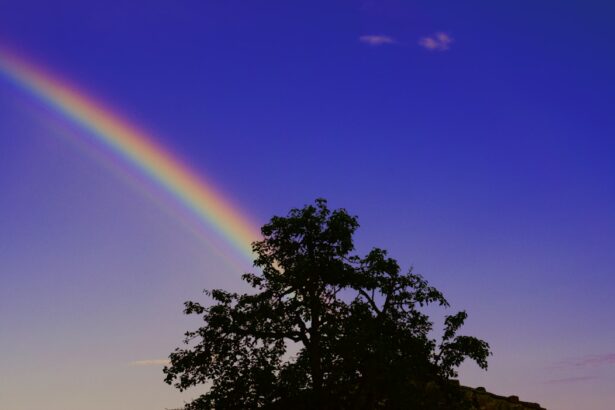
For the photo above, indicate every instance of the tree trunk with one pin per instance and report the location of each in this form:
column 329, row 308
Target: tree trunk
column 316, row 354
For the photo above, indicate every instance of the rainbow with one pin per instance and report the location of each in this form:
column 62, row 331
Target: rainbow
column 136, row 148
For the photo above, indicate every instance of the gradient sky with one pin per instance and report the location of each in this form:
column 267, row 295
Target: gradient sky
column 483, row 156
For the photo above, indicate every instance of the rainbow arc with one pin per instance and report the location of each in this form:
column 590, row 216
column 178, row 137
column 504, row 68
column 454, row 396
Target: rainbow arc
column 136, row 148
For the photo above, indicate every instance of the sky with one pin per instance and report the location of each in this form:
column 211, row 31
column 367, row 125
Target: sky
column 474, row 140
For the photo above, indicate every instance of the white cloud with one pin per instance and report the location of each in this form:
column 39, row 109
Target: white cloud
column 377, row 39
column 151, row 362
column 437, row 42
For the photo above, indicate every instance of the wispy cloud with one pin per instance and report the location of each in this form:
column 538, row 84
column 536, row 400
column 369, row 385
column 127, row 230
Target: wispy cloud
column 570, row 379
column 437, row 42
column 377, row 39
column 593, row 360
column 150, row 362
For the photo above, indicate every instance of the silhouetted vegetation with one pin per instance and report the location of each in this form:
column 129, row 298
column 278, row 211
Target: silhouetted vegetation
column 324, row 329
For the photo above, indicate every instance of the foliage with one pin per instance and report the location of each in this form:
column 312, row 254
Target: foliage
column 323, row 329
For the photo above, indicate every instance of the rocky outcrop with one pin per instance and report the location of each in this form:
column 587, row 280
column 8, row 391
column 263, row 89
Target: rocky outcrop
column 483, row 400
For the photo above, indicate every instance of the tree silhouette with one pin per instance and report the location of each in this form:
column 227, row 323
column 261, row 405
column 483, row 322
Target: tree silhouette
column 323, row 329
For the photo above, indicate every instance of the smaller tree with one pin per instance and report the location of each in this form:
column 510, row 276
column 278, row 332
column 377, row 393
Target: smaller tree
column 323, row 329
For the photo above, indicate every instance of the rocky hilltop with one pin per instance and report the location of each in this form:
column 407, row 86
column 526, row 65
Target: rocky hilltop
column 483, row 400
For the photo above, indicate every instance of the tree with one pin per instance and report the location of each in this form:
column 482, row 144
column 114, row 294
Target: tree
column 324, row 328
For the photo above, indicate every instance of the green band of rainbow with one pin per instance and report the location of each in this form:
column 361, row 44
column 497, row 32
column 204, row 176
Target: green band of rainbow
column 136, row 148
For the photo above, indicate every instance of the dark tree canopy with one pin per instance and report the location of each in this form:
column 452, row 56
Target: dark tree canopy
column 323, row 329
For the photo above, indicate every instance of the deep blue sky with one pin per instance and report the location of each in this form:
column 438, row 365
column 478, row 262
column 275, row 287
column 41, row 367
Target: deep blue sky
column 489, row 166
